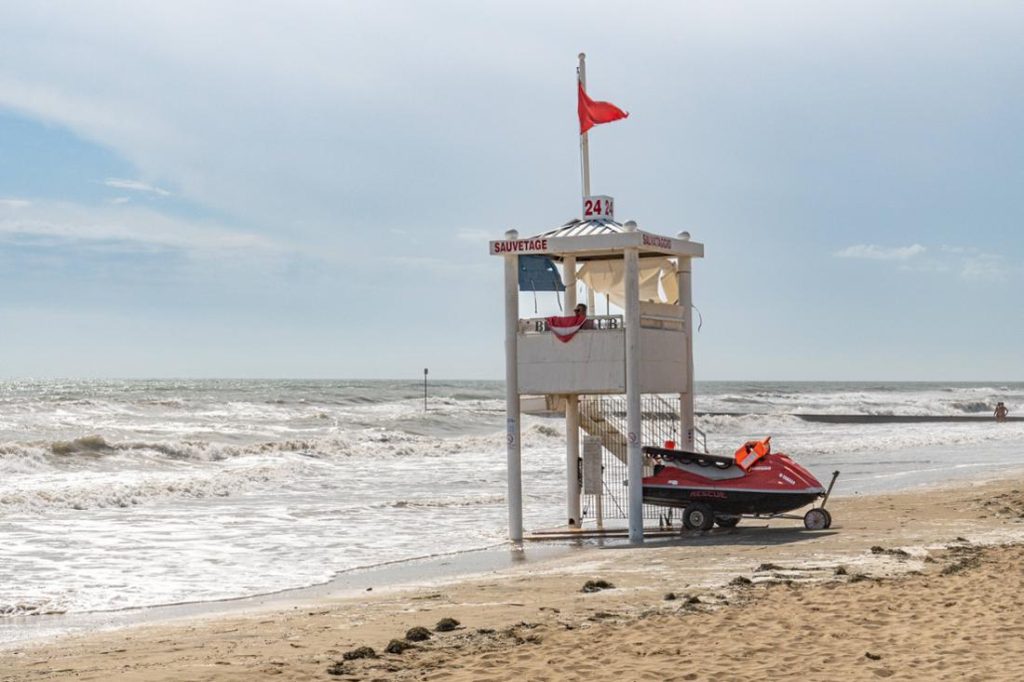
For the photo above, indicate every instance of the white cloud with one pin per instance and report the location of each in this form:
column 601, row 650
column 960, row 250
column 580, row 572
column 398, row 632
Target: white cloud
column 136, row 186
column 125, row 227
column 984, row 267
column 439, row 266
column 874, row 252
column 476, row 236
column 473, row 94
column 14, row 203
column 326, row 135
column 932, row 265
column 971, row 263
column 454, row 105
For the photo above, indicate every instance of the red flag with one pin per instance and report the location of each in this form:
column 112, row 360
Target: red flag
column 594, row 113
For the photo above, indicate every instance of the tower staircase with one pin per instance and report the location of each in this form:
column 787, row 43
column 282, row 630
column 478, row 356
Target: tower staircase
column 604, row 417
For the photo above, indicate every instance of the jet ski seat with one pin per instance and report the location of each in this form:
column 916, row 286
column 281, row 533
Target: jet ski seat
column 700, row 463
column 712, row 473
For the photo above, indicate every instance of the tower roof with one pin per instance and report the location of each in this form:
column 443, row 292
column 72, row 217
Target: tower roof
column 585, row 228
column 597, row 239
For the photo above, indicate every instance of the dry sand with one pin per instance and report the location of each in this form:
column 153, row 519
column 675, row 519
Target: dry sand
column 939, row 597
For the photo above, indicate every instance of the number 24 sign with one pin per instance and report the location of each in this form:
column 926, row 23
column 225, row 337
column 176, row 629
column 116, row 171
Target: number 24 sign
column 599, row 206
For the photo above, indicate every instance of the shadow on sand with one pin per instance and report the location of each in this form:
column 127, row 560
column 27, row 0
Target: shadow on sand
column 751, row 536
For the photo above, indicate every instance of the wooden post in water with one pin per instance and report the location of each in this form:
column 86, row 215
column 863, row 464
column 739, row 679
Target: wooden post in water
column 425, row 370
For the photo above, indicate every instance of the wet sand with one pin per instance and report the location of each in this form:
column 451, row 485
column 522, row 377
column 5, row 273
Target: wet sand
column 21, row 630
column 920, row 585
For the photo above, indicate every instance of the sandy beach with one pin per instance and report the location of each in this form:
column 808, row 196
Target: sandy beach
column 917, row 585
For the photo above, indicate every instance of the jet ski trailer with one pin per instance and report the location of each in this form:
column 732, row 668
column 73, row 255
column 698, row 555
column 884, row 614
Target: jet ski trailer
column 756, row 483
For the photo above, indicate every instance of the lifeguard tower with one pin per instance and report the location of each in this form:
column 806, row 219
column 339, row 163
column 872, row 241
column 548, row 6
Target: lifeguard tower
column 645, row 351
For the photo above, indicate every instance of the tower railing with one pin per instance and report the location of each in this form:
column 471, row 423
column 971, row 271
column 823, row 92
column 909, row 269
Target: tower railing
column 539, row 325
column 700, row 438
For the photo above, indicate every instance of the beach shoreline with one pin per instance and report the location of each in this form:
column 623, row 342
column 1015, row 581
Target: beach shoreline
column 398, row 575
column 406, row 574
column 910, row 532
column 119, row 497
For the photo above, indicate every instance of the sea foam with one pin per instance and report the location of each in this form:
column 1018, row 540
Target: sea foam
column 132, row 493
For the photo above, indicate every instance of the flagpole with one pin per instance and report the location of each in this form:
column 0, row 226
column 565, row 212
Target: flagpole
column 581, row 72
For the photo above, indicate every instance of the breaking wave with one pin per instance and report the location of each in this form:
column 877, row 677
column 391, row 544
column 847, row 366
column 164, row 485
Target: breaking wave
column 28, row 607
column 368, row 442
column 133, row 488
column 861, row 399
column 86, row 445
column 123, row 491
column 973, row 406
column 795, row 436
column 93, row 472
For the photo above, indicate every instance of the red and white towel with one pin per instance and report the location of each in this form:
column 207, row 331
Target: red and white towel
column 566, row 327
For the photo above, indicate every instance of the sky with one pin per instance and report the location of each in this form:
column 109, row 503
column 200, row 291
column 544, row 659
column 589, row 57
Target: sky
column 307, row 189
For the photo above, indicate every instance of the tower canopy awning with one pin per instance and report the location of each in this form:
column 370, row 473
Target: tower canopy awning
column 539, row 273
column 608, row 277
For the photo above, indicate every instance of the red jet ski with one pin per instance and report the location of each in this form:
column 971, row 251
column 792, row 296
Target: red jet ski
column 754, row 483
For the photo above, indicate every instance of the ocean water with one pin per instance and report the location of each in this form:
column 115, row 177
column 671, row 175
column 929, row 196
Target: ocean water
column 124, row 494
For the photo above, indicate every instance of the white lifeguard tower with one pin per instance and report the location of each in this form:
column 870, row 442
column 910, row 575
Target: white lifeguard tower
column 646, row 350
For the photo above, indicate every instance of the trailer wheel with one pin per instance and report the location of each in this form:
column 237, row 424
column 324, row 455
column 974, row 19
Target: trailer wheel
column 817, row 519
column 828, row 517
column 698, row 517
column 727, row 521
column 686, row 520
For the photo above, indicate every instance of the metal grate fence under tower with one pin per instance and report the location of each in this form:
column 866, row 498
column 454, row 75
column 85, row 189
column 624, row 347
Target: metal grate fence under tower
column 603, row 419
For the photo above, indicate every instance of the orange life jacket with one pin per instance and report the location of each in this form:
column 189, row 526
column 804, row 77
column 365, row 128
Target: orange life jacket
column 751, row 451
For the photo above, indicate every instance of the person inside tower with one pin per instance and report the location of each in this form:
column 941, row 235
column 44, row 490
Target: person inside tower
column 581, row 311
column 565, row 328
